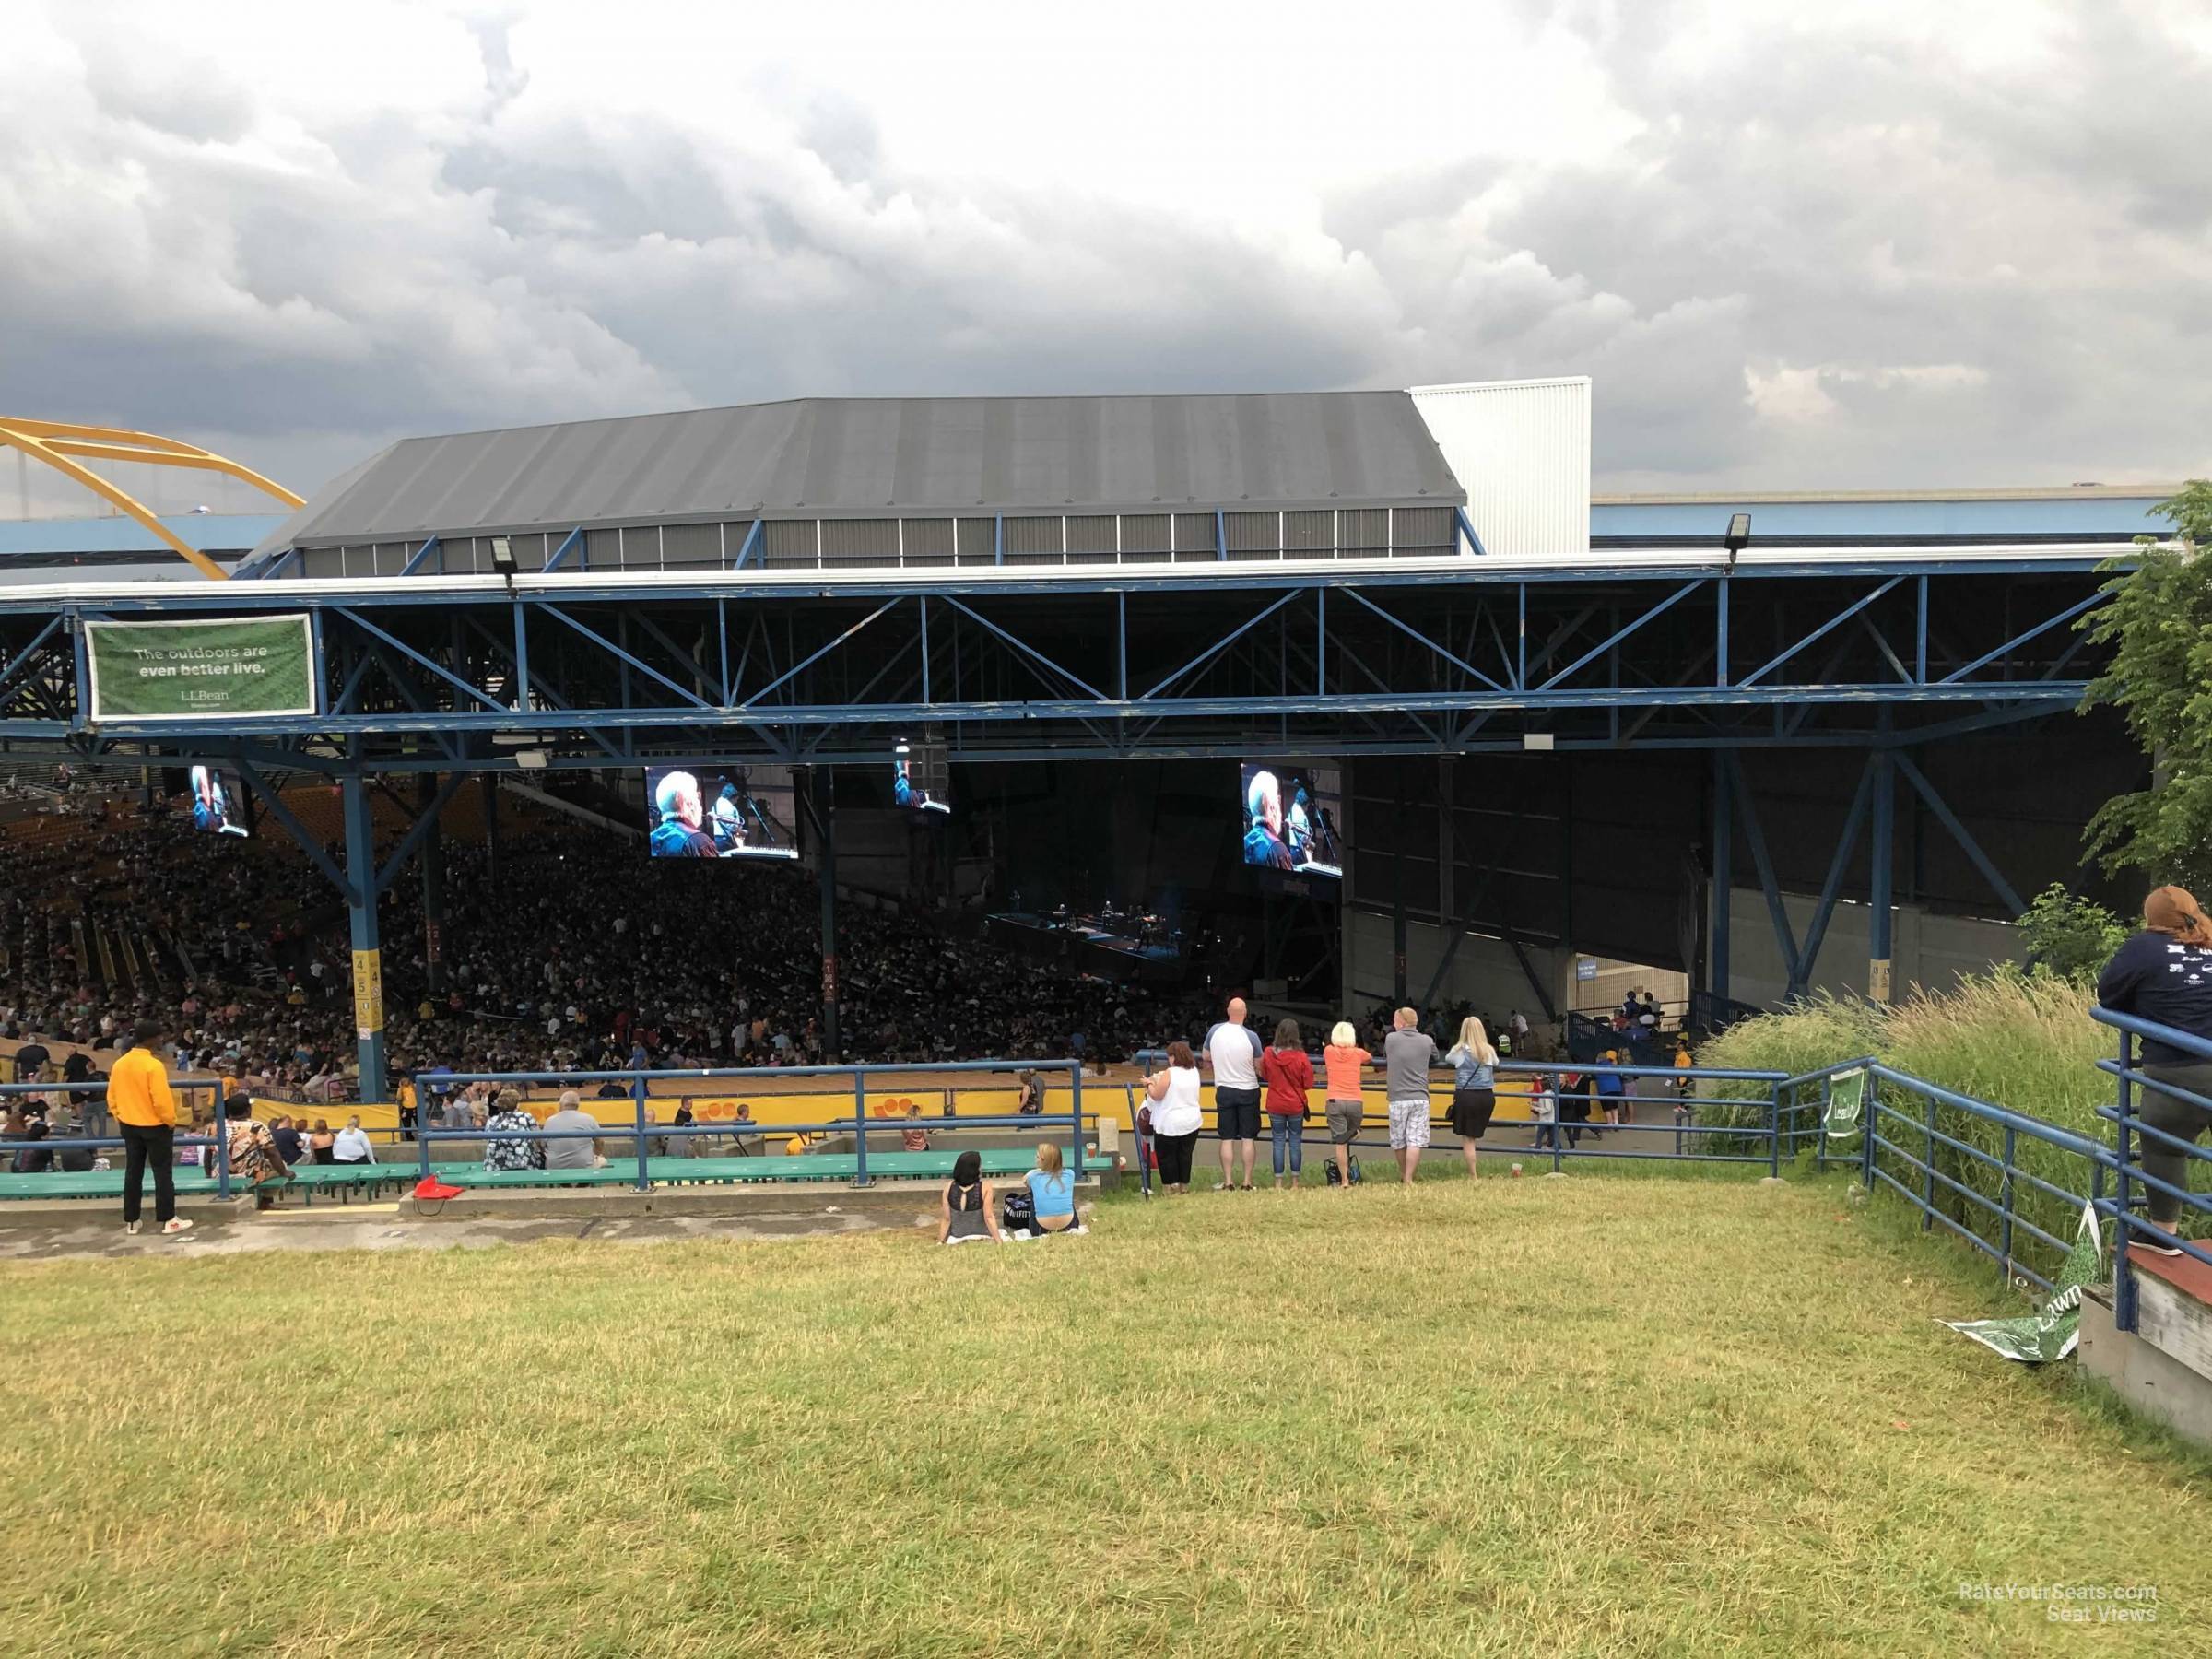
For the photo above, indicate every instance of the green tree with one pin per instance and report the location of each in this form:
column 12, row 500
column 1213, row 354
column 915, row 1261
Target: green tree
column 2159, row 626
column 2069, row 936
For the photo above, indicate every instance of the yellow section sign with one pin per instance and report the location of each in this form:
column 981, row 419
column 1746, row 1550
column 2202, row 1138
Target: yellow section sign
column 367, row 991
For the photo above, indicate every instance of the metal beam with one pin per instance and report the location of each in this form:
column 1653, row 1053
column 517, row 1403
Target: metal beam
column 1834, row 622
column 422, row 827
column 2004, row 889
column 1619, row 634
column 299, row 831
column 1987, row 657
column 1756, row 835
column 1847, row 840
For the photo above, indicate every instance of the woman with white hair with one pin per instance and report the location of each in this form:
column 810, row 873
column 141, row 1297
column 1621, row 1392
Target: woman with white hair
column 1473, row 1086
column 1341, row 1062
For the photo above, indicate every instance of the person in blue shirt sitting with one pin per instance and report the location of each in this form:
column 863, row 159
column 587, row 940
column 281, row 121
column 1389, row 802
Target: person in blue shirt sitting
column 1052, row 1191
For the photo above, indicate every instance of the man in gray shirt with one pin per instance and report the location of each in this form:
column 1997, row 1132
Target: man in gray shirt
column 572, row 1154
column 1407, row 1055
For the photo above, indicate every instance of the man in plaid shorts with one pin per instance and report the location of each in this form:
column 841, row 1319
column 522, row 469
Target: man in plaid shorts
column 1407, row 1054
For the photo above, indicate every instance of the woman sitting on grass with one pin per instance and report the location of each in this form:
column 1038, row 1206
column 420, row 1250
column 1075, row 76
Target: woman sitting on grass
column 1052, row 1191
column 968, row 1210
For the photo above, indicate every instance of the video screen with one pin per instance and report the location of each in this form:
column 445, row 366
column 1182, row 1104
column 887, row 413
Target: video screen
column 1290, row 817
column 218, row 807
column 921, row 778
column 720, row 812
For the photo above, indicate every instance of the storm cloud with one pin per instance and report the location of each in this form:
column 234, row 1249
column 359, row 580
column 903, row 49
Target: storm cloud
column 1884, row 244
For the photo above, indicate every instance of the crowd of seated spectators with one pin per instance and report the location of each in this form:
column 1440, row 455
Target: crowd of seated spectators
column 575, row 952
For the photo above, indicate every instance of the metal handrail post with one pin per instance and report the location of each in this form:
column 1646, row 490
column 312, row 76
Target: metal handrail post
column 860, row 1129
column 1775, row 1134
column 1074, row 1125
column 637, row 1100
column 222, row 1144
column 1870, row 1113
column 2005, row 1214
column 1927, row 1200
column 2124, row 1278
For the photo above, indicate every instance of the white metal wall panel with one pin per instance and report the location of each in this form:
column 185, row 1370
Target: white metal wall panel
column 1520, row 450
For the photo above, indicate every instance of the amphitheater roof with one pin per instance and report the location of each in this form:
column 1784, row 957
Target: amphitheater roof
column 832, row 457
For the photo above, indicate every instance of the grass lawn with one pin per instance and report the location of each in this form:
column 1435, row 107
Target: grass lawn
column 1603, row 1416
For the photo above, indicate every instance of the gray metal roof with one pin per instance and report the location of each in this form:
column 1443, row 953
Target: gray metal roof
column 844, row 457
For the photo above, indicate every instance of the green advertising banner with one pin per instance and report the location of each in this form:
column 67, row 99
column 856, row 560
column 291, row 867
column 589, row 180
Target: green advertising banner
column 191, row 669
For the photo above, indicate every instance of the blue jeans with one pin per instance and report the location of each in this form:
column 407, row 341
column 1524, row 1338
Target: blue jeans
column 1288, row 1131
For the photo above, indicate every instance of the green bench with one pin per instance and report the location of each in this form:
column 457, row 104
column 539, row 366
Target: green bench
column 1001, row 1163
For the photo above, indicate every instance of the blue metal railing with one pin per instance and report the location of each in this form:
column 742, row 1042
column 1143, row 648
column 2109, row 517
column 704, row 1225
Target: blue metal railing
column 98, row 1087
column 1752, row 1118
column 644, row 1131
column 2130, row 1130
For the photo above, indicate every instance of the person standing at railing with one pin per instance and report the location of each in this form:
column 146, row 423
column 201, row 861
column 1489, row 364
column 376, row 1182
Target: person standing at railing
column 145, row 1114
column 1345, row 1107
column 1407, row 1054
column 1288, row 1074
column 1473, row 1086
column 1234, row 1050
column 1176, row 1116
column 2163, row 973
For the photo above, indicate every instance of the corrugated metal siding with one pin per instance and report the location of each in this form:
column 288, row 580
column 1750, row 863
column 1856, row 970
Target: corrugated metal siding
column 1520, row 450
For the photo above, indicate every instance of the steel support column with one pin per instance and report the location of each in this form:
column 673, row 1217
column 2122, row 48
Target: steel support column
column 824, row 823
column 1881, row 855
column 1723, row 873
column 367, row 958
column 433, row 882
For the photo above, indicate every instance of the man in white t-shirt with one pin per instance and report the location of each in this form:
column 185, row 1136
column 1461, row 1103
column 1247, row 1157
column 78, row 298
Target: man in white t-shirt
column 1232, row 1050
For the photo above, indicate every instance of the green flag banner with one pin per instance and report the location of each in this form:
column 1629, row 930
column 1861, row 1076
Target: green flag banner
column 1846, row 1102
column 192, row 669
column 2050, row 1335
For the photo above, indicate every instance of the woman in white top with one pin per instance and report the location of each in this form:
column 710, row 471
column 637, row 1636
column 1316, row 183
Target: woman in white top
column 1176, row 1117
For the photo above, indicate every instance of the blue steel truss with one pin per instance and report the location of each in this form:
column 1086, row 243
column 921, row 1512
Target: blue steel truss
column 425, row 673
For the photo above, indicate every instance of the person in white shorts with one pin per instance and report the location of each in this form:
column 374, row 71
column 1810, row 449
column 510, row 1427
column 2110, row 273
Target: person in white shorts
column 1407, row 1054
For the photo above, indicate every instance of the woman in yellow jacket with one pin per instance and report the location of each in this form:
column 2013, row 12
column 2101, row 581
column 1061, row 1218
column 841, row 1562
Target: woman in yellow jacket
column 146, row 1116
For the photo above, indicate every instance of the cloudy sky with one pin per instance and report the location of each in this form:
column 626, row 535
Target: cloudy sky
column 1860, row 244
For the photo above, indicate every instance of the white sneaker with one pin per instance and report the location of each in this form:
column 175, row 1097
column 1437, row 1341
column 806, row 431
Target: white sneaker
column 176, row 1224
column 130, row 1227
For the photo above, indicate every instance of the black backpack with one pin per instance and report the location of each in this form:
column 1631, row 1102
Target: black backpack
column 1018, row 1210
column 1351, row 1163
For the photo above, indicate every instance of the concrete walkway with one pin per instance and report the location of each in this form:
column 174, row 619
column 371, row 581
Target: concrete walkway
column 75, row 1230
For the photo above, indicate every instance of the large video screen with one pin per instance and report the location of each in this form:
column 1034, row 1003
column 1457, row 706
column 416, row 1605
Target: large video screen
column 720, row 812
column 218, row 807
column 921, row 778
column 1290, row 817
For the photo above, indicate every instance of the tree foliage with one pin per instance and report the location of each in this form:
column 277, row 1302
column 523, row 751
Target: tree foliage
column 2070, row 937
column 2159, row 624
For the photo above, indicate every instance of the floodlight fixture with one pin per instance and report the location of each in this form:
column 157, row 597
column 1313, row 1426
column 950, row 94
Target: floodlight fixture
column 503, row 556
column 1740, row 533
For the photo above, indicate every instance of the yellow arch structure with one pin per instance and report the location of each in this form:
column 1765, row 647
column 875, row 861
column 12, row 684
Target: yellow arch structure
column 59, row 443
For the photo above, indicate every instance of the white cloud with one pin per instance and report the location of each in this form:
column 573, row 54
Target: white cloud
column 1885, row 242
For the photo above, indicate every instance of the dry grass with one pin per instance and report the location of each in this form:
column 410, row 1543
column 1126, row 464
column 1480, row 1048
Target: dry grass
column 1594, row 1415
column 2023, row 1043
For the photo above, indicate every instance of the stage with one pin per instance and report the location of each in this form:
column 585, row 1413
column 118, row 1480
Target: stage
column 1112, row 947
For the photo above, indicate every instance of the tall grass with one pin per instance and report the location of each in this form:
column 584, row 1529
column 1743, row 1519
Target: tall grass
column 2022, row 1042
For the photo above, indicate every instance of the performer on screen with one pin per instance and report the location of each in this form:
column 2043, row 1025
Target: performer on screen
column 729, row 819
column 678, row 835
column 1264, row 814
column 210, row 807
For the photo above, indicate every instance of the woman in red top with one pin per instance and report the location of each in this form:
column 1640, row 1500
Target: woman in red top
column 1288, row 1074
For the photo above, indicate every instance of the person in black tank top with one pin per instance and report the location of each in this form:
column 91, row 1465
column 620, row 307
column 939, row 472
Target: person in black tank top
column 965, row 1208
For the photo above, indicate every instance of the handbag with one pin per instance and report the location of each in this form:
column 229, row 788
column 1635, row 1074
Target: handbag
column 1018, row 1212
